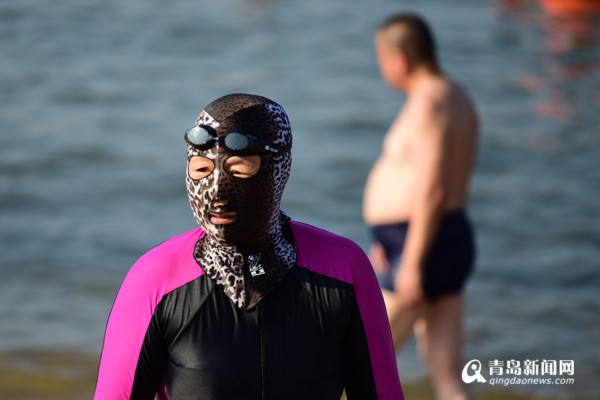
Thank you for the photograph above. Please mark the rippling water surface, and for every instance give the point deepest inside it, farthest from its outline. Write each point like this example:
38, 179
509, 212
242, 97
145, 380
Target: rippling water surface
95, 96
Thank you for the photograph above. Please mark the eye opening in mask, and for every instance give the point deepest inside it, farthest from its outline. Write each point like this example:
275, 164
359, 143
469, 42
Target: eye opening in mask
204, 137
242, 167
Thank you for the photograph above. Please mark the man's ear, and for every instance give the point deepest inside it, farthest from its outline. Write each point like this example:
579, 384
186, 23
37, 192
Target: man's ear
402, 63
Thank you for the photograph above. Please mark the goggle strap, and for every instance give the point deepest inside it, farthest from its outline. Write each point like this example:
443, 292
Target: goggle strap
214, 138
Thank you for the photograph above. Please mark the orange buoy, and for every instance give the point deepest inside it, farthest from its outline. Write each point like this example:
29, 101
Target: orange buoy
571, 6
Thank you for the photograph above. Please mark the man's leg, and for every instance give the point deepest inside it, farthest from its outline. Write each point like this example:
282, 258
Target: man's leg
401, 319
439, 337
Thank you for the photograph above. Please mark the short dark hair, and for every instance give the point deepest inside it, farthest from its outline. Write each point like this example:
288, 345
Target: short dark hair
410, 34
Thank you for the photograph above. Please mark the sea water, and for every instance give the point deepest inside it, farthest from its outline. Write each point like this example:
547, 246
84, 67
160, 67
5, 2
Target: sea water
95, 97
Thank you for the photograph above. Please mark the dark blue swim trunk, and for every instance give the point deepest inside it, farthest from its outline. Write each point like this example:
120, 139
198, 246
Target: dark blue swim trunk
449, 261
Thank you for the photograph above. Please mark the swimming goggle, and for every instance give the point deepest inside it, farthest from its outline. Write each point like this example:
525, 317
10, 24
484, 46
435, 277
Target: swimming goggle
204, 137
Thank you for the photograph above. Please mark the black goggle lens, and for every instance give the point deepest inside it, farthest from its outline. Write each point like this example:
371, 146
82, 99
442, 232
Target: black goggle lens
237, 142
201, 137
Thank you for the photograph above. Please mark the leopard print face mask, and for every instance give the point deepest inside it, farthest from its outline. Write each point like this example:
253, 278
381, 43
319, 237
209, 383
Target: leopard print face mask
249, 256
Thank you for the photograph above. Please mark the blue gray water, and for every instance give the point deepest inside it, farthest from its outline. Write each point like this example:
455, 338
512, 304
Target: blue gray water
95, 96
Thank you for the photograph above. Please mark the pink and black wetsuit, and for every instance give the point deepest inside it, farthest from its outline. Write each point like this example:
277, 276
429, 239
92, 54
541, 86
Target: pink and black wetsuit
173, 332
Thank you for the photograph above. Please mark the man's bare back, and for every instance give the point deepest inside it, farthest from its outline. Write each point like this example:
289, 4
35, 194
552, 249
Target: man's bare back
437, 107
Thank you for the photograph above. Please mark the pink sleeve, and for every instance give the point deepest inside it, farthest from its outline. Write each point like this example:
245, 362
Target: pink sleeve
340, 258
155, 274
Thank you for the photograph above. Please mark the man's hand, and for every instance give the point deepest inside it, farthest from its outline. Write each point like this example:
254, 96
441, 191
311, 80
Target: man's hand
408, 286
378, 258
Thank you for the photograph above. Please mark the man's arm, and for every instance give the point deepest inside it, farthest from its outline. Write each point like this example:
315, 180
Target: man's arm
133, 355
429, 142
378, 257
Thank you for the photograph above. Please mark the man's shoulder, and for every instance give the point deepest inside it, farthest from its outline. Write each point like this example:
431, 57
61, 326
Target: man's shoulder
432, 94
328, 253
318, 237
173, 246
439, 104
172, 256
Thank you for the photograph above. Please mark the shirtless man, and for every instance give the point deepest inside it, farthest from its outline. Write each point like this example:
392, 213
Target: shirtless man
421, 179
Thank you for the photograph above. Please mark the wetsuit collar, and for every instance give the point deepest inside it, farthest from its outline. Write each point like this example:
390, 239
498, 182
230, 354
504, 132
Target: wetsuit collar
247, 276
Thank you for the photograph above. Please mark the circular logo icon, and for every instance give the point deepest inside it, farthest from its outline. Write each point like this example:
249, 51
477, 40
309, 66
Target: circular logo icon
472, 371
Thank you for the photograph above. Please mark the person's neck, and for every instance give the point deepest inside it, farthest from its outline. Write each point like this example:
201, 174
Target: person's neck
259, 242
256, 245
421, 76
